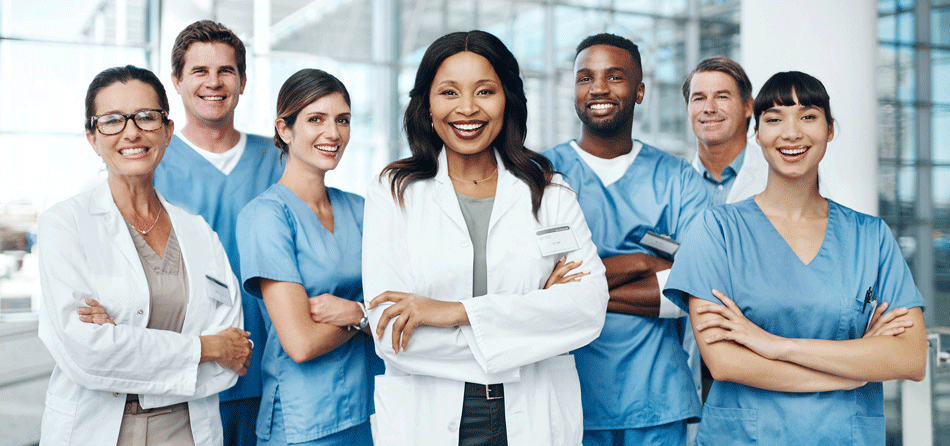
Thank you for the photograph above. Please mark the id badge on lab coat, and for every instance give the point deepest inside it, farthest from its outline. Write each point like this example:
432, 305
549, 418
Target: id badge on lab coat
556, 240
217, 290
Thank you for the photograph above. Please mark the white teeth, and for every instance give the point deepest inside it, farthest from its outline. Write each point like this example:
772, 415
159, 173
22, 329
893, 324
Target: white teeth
331, 149
601, 106
213, 98
467, 127
792, 152
134, 151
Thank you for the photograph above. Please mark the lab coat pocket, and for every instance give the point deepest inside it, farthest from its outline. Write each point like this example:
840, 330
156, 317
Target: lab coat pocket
727, 426
393, 394
867, 431
58, 420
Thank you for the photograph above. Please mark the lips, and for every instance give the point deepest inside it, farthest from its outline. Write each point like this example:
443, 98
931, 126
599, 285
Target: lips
467, 129
792, 153
132, 152
601, 108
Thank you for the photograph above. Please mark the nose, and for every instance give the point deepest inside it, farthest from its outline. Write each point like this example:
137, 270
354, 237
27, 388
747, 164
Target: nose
710, 106
214, 80
791, 130
467, 105
131, 132
598, 86
333, 131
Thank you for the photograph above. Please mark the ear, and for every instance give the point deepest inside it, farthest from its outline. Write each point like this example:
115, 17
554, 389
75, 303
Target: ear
176, 83
831, 131
748, 108
169, 131
286, 133
91, 137
243, 83
641, 89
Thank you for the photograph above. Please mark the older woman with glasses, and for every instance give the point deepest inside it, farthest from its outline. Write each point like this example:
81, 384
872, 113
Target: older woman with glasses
140, 308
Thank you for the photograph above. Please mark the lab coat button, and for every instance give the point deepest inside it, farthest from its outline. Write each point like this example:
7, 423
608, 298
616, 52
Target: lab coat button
719, 187
140, 312
115, 394
453, 426
463, 244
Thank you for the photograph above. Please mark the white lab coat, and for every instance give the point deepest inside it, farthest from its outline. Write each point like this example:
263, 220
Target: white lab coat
519, 335
85, 250
752, 176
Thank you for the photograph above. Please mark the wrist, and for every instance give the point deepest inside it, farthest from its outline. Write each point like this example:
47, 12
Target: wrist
209, 348
362, 318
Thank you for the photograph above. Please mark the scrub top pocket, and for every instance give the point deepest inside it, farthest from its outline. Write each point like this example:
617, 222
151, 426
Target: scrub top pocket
726, 426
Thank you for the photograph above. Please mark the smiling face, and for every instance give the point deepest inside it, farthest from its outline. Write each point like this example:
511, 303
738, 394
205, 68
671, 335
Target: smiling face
716, 110
794, 138
607, 86
133, 152
467, 103
319, 134
210, 84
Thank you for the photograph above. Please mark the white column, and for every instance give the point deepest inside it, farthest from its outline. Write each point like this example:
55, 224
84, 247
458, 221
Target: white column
835, 41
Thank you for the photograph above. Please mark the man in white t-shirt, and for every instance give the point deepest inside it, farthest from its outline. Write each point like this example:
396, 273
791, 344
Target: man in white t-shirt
636, 387
213, 170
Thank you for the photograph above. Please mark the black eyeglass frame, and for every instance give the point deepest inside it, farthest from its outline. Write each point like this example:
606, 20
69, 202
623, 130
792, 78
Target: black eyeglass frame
94, 120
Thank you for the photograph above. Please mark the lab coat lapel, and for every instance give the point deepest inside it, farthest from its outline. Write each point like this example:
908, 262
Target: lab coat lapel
506, 194
445, 194
103, 206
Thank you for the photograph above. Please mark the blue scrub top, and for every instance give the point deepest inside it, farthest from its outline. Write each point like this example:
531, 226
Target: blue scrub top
635, 374
189, 181
282, 239
736, 249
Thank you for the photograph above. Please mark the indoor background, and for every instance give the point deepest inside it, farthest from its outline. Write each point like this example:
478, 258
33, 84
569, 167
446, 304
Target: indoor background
886, 64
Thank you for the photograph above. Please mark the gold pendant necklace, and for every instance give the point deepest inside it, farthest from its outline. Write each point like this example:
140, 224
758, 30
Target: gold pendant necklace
160, 209
475, 182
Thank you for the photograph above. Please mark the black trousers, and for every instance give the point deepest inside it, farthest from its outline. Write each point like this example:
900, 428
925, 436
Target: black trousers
483, 422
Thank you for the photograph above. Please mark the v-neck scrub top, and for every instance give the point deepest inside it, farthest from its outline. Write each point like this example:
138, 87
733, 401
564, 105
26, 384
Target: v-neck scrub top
189, 181
736, 249
635, 375
282, 239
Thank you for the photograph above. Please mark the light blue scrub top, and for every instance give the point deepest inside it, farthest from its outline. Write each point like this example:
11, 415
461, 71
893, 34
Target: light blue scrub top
282, 239
635, 374
734, 248
189, 181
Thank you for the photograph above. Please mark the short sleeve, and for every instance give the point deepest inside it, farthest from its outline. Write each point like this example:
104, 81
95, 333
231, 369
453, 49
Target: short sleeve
895, 282
700, 264
265, 234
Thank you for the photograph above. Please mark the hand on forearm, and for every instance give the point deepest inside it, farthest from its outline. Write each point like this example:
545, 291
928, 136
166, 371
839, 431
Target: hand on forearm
230, 348
329, 309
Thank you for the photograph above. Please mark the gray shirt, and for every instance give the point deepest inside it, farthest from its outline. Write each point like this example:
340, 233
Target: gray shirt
477, 214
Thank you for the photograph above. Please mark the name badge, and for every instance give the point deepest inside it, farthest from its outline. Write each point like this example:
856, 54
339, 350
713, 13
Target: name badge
556, 240
217, 290
660, 243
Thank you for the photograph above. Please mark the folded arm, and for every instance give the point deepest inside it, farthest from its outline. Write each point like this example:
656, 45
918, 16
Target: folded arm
633, 284
733, 362
289, 308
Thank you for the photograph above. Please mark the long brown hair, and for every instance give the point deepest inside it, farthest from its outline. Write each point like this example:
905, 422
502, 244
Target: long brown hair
424, 143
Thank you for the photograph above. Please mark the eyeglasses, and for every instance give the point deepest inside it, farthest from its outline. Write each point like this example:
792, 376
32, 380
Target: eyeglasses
114, 123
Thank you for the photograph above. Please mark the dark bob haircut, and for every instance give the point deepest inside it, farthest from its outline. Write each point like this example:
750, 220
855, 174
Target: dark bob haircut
300, 90
615, 41
784, 87
124, 74
425, 144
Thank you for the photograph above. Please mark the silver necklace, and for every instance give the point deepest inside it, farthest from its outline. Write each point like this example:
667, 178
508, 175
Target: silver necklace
475, 182
160, 209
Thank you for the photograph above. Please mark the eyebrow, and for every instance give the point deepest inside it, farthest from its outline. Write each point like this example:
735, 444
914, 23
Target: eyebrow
478, 82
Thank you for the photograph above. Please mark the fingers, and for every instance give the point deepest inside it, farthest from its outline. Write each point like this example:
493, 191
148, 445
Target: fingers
388, 296
726, 300
398, 326
574, 277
